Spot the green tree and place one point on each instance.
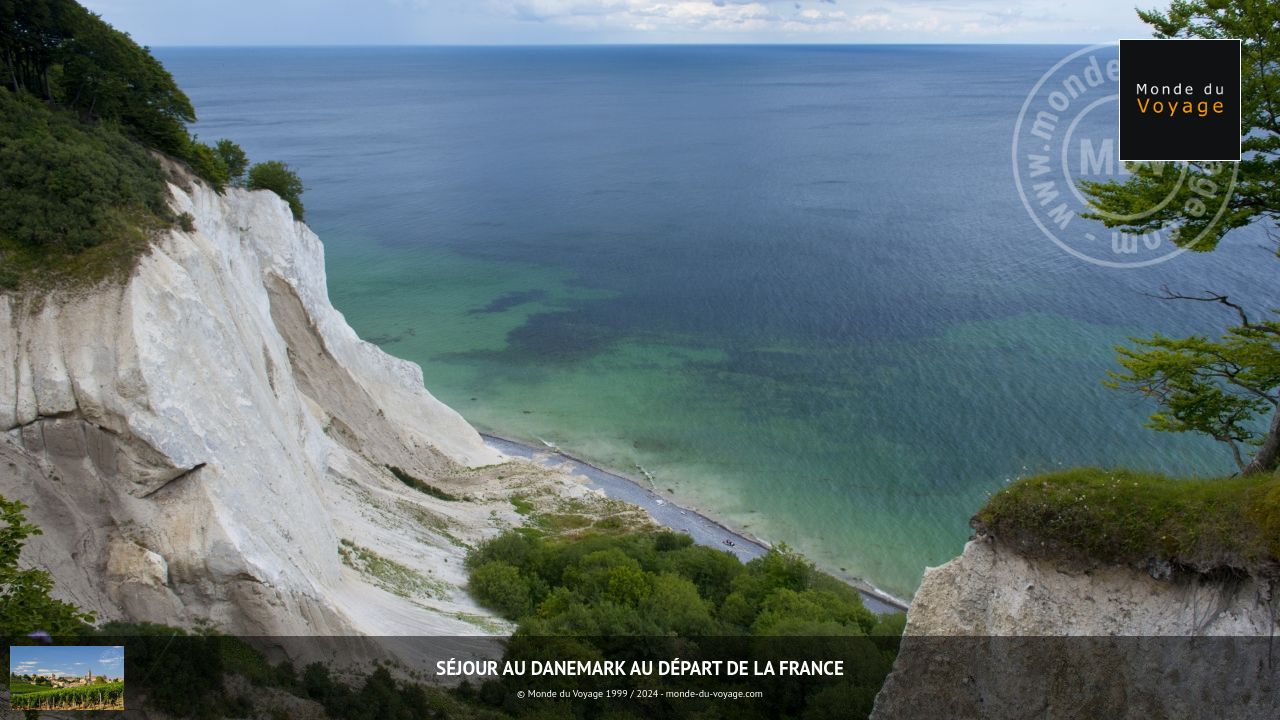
(1220, 388)
(1256, 194)
(276, 176)
(208, 164)
(500, 586)
(233, 158)
(25, 603)
(32, 32)
(1227, 388)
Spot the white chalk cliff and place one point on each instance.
(209, 441)
(995, 634)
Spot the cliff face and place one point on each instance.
(993, 634)
(209, 441)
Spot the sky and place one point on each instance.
(165, 23)
(71, 660)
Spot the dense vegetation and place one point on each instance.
(656, 595)
(82, 111)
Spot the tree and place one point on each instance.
(1222, 388)
(233, 158)
(25, 604)
(32, 32)
(500, 586)
(208, 164)
(1256, 194)
(276, 176)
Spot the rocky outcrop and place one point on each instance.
(994, 634)
(208, 441)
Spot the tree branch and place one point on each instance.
(1209, 296)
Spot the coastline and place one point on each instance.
(703, 528)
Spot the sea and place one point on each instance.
(796, 286)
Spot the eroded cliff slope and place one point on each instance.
(208, 441)
(994, 634)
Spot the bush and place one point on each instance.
(499, 586)
(208, 164)
(69, 186)
(276, 176)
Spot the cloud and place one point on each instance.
(343, 22)
(923, 18)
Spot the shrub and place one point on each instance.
(499, 586)
(208, 164)
(69, 186)
(276, 176)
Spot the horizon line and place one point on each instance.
(303, 46)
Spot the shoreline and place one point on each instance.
(703, 528)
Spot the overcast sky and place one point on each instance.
(410, 22)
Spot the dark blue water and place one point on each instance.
(795, 284)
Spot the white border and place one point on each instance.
(1239, 99)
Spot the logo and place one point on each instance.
(1068, 133)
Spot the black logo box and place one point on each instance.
(1186, 68)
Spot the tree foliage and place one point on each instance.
(82, 107)
(1226, 388)
(1222, 388)
(1256, 194)
(60, 51)
(67, 185)
(208, 164)
(276, 176)
(233, 159)
(655, 595)
(25, 602)
(655, 584)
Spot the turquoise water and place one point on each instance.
(795, 284)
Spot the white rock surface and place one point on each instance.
(990, 590)
(198, 440)
(994, 635)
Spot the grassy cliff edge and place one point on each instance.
(1161, 525)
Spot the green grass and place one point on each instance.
(422, 486)
(1088, 516)
(522, 505)
(390, 575)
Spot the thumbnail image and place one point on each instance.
(75, 677)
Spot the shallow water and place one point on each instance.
(795, 284)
